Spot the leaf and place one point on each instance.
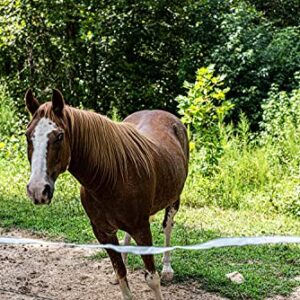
(192, 146)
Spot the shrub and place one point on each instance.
(254, 54)
(281, 111)
(282, 12)
(128, 58)
(11, 126)
(8, 114)
(258, 171)
(203, 110)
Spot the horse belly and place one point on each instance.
(170, 181)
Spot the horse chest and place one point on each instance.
(119, 209)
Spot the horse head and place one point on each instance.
(48, 145)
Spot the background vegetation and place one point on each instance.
(134, 55)
(242, 112)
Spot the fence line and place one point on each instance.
(144, 250)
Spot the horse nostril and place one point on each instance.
(47, 190)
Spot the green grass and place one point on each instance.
(263, 178)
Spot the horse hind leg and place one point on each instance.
(168, 222)
(127, 240)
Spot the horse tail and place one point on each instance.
(182, 136)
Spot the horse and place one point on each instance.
(128, 171)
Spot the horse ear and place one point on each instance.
(31, 103)
(58, 102)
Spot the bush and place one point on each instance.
(281, 111)
(258, 171)
(128, 58)
(11, 127)
(203, 111)
(8, 114)
(282, 12)
(254, 54)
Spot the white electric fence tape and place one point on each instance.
(143, 250)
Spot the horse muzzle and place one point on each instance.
(40, 192)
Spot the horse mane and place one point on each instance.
(111, 146)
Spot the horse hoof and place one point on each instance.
(167, 272)
(167, 275)
(113, 279)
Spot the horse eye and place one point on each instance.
(59, 137)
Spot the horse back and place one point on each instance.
(161, 126)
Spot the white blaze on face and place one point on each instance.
(40, 144)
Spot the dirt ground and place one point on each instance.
(56, 272)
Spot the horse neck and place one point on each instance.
(103, 152)
(85, 166)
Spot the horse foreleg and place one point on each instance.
(143, 237)
(120, 270)
(116, 260)
(168, 222)
(127, 238)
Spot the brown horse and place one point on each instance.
(128, 171)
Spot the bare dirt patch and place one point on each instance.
(56, 272)
(294, 296)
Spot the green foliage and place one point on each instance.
(281, 12)
(254, 54)
(204, 105)
(230, 167)
(126, 59)
(281, 129)
(281, 112)
(11, 127)
(237, 176)
(254, 171)
(259, 174)
(8, 114)
(203, 111)
(202, 33)
(137, 55)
